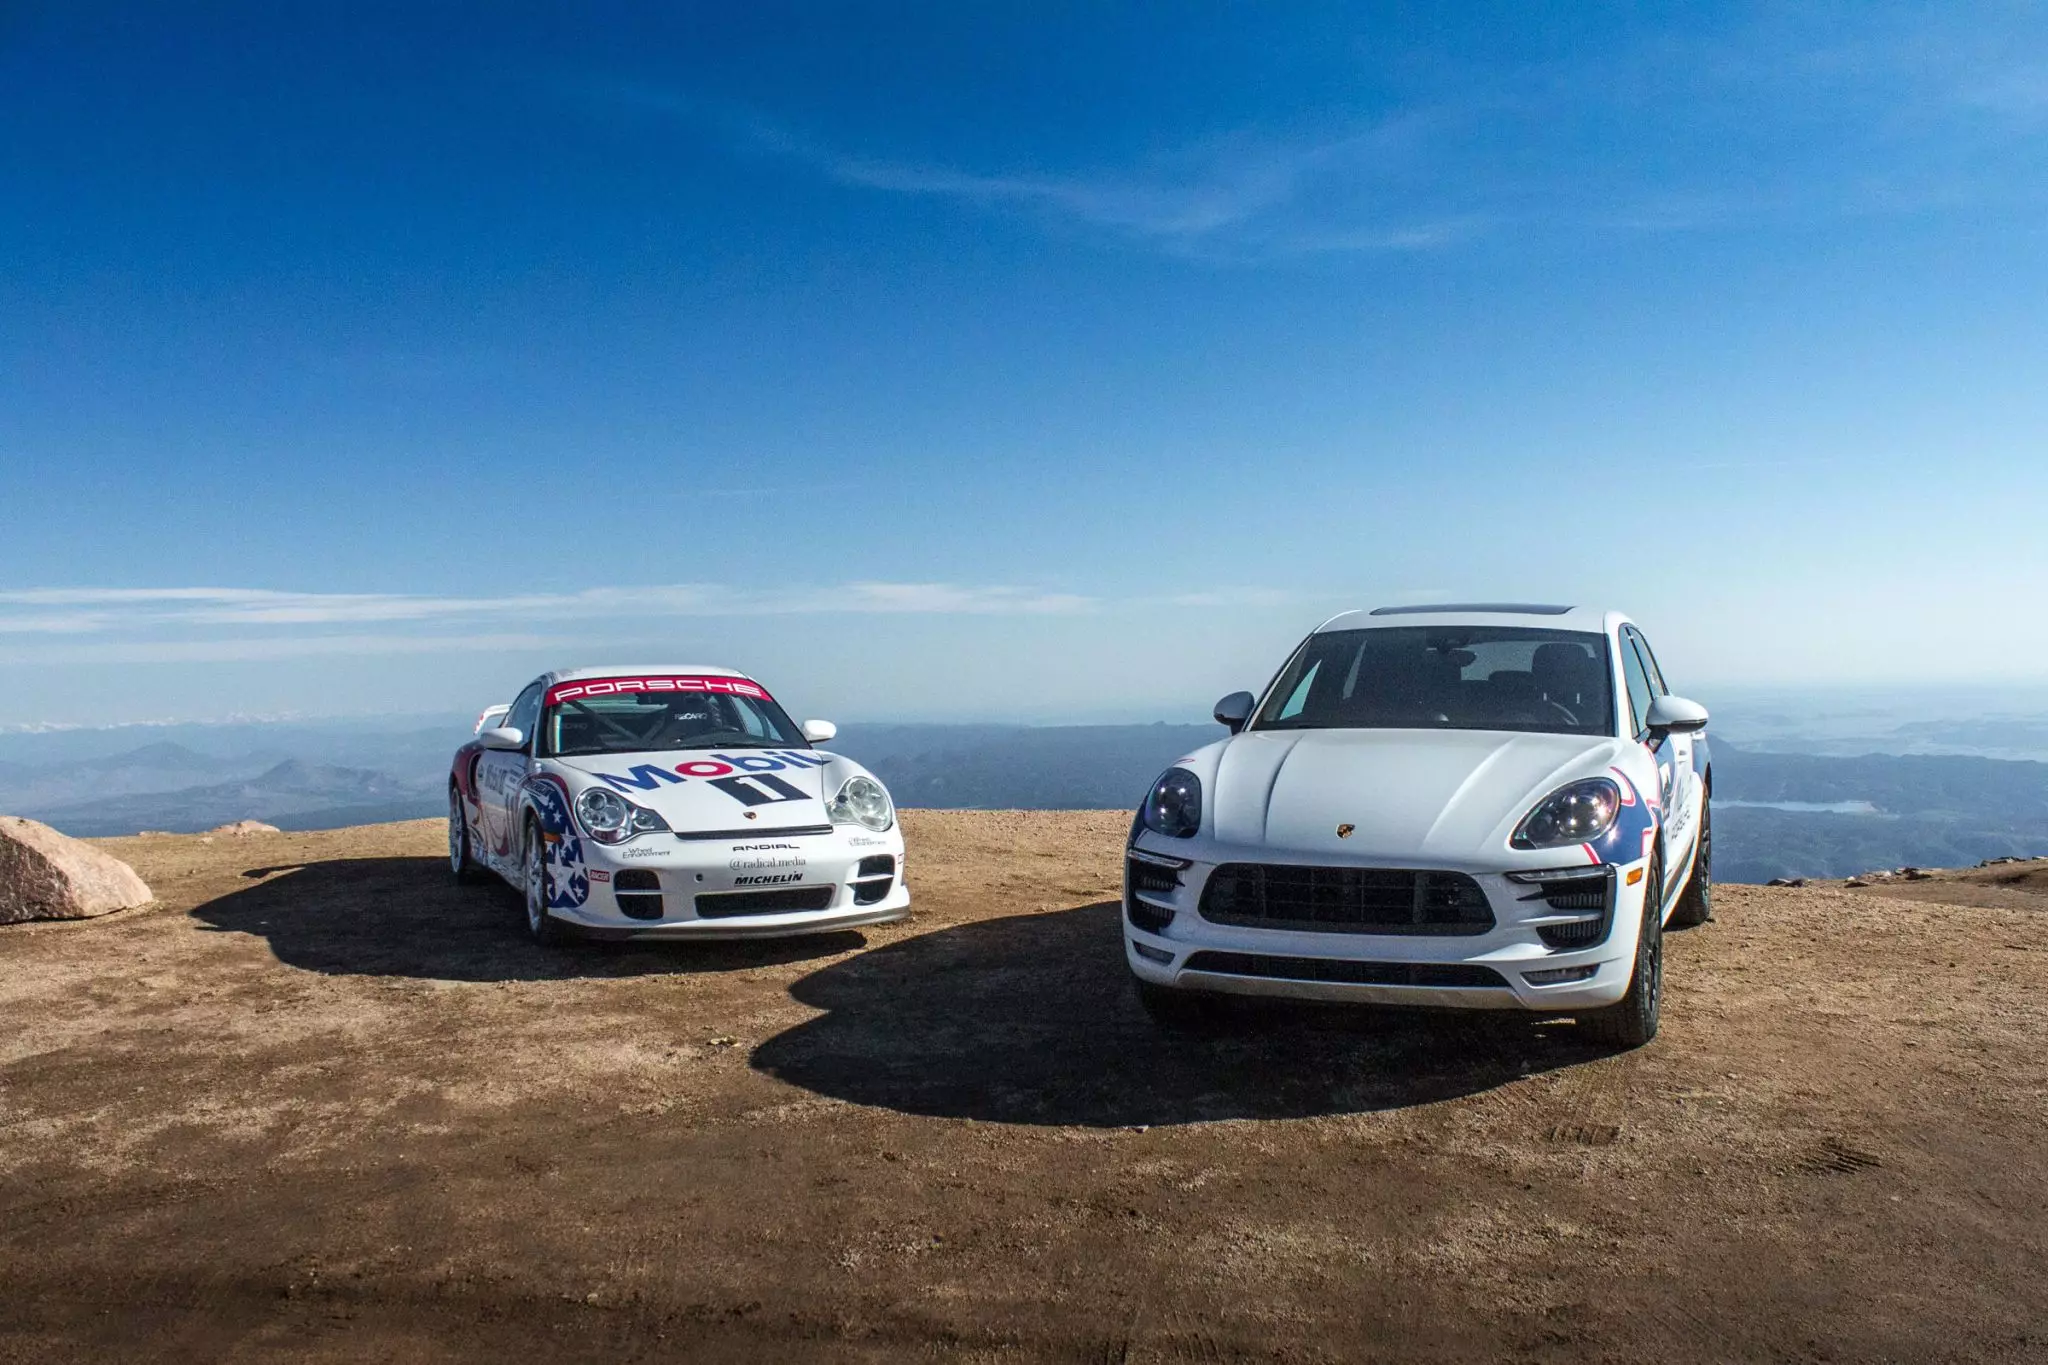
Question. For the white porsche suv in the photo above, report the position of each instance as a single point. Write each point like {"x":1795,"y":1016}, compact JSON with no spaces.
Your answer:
{"x":1489,"y":806}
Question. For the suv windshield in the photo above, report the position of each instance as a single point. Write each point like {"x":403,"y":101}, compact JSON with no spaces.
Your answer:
{"x":621,"y":721}
{"x":1445,"y":678}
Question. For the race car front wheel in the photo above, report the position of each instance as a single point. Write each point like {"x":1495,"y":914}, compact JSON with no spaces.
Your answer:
{"x":1632,"y":1021}
{"x":545,"y":928}
{"x":461,"y":860}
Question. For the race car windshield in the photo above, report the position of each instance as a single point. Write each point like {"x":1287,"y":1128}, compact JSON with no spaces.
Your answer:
{"x":1446,"y":678}
{"x":639,"y":722}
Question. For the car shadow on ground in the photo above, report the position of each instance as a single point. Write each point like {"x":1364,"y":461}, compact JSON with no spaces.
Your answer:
{"x":1032,"y":1019}
{"x":407,"y":917}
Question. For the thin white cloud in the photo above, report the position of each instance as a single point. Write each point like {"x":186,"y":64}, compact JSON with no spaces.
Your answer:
{"x":1241,"y":195}
{"x":219,"y":625}
{"x":69,"y":623}
{"x":137,"y":610}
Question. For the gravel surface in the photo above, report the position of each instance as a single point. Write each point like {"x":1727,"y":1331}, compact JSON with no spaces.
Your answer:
{"x":321,"y":1104}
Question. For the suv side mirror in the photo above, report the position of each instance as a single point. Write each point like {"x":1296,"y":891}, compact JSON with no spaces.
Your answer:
{"x":1234,"y":710}
{"x":819,"y":731}
{"x":505,"y":737}
{"x":1675,"y":713}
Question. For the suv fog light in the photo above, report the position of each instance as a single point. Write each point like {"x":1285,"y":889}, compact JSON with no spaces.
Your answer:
{"x":1151,"y":954}
{"x":1558,"y":975}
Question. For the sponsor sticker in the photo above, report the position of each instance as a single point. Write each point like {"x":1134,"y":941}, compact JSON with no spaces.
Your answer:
{"x":760,"y":861}
{"x":769,"y":879}
{"x":609,"y":687}
{"x":735,"y":768}
{"x":598,"y":874}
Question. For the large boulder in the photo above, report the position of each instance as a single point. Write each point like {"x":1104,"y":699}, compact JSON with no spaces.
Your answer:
{"x":47,"y":875}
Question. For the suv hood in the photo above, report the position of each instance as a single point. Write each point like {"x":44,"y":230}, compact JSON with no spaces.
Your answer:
{"x":1446,"y":798}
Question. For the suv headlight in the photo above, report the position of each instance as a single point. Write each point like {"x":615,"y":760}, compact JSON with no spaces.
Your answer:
{"x":1576,"y":813}
{"x":611,"y":819}
{"x":863,"y":802}
{"x":1174,"y":805}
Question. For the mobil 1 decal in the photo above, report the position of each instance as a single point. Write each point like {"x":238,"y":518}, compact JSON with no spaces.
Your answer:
{"x":761,"y":789}
{"x":748,"y":778}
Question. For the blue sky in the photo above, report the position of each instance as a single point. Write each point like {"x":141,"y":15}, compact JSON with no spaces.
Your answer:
{"x":1012,"y":360}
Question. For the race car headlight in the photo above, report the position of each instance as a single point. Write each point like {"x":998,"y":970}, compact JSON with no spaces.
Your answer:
{"x":1576,"y":813}
{"x":862,"y":802}
{"x":611,"y":819}
{"x":1174,"y":805}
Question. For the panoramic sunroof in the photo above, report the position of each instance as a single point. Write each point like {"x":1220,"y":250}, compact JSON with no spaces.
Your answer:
{"x":1498,"y":608}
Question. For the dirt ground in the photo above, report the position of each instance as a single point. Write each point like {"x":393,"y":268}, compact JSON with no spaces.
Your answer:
{"x":320,"y":1104}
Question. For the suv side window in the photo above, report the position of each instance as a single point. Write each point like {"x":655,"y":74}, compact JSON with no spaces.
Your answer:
{"x":1638,"y":685}
{"x":525,"y":714}
{"x":1642,"y":645}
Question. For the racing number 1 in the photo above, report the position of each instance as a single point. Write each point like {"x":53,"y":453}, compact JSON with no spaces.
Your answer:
{"x":758,"y":789}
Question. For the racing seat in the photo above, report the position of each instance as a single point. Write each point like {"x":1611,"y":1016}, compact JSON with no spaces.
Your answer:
{"x":575,"y":733}
{"x":689,"y":719}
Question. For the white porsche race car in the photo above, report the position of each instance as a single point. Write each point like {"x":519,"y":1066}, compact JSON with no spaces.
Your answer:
{"x":672,"y":803}
{"x":1492,"y":806}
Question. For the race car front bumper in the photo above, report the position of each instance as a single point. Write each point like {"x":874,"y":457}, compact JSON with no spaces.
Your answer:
{"x":773,"y":886}
{"x":1515,"y":962}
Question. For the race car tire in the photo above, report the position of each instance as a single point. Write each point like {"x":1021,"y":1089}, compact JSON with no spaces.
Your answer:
{"x":542,"y":927}
{"x":461,"y":855}
{"x":1696,"y":904}
{"x":1181,"y":1011}
{"x":1632,"y":1021}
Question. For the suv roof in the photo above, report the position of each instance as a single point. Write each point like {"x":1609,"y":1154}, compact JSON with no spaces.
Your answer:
{"x":1486,"y":608}
{"x":1525,"y":614}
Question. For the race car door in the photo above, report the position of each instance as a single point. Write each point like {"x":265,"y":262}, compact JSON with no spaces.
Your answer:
{"x":500,"y":773}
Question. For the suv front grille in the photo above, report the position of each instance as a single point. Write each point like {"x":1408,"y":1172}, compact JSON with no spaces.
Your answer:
{"x":1345,"y":900}
{"x":1347,"y":973}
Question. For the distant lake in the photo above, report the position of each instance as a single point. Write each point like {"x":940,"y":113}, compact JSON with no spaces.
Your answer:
{"x":1816,"y":807}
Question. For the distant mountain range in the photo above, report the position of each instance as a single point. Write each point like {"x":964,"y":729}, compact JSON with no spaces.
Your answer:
{"x":291,"y":795}
{"x":1776,"y":813}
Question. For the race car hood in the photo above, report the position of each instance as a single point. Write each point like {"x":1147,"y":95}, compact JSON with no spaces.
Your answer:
{"x":1437,"y":797}
{"x":750,"y":791}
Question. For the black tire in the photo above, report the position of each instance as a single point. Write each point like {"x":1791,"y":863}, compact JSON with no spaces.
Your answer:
{"x":1182,"y":1011}
{"x":1696,"y":905}
{"x":1632,"y":1021}
{"x":461,"y":853}
{"x":542,"y":927}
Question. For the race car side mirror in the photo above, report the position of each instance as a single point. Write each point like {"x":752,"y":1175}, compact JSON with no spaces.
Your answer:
{"x":819,"y":731}
{"x":504,"y":737}
{"x":1234,"y":710}
{"x":1675,"y":713}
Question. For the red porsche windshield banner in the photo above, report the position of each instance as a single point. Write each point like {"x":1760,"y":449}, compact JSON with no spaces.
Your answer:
{"x":610,"y":687}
